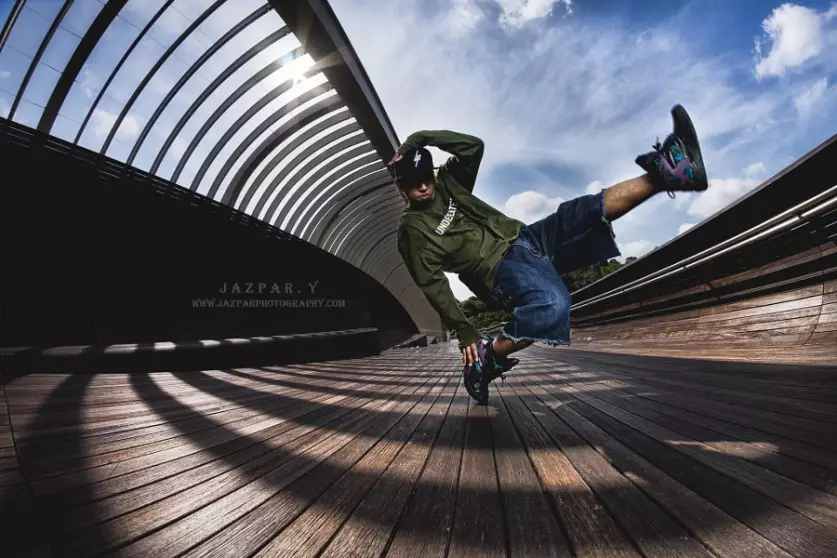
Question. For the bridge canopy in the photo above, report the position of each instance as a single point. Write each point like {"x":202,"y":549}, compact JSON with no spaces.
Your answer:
{"x":259,"y":105}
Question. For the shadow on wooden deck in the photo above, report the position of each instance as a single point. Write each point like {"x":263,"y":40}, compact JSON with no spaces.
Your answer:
{"x":576,"y":454}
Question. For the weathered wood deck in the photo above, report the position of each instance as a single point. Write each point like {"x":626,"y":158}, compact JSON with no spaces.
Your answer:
{"x":586,"y":454}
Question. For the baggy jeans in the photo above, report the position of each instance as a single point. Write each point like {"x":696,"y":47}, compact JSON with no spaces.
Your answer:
{"x":528,"y":282}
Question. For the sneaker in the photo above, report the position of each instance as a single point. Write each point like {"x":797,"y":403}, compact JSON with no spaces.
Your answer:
{"x":677,"y":164}
{"x":499,"y":365}
{"x":486,"y":369}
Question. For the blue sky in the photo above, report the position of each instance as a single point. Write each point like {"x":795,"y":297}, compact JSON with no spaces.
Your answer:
{"x":567,"y":94}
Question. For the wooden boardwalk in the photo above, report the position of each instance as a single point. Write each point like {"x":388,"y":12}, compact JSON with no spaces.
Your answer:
{"x":577,"y":454}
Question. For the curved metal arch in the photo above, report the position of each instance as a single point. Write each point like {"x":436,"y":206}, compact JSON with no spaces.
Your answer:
{"x":424,"y":313}
{"x":398,"y":280}
{"x":10,"y":22}
{"x":385,"y":216}
{"x":358,"y":146}
{"x":291,"y":167}
{"x":270,"y":143}
{"x":328,"y":108}
{"x":215,"y":84}
{"x":337,"y":247}
{"x":390,"y":273}
{"x":115,"y":71}
{"x":372,"y":248}
{"x":330,"y":187}
{"x":242,"y":90}
{"x":225,"y":38}
{"x":384,"y":226}
{"x":401,"y":293}
{"x":376,"y":261}
{"x":343,"y":160}
{"x":345,"y":227}
{"x":80,"y":55}
{"x":346,"y":220}
{"x":320,"y":216}
{"x":297,"y":167}
{"x":40,"y":52}
{"x":360,"y":177}
{"x":331,"y":195}
{"x":358,"y":237}
{"x":345,"y":163}
{"x":162,"y":60}
{"x":332,"y":211}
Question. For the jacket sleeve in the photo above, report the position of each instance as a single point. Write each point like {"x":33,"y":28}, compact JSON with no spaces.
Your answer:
{"x":467,"y":152}
{"x":426,"y":270}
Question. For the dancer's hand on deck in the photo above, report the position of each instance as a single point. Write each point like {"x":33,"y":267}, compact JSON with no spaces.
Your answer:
{"x":469,"y":354}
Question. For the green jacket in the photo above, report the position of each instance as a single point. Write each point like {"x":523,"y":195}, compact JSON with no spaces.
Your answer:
{"x":457,"y":233}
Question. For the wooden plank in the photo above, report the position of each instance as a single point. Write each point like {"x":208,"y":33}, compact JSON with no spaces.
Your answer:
{"x":762,"y":386}
{"x":11,"y":477}
{"x":279,"y":527}
{"x":126,"y":493}
{"x":825,"y":338}
{"x":720,"y":532}
{"x":150,"y":466}
{"x":590,"y":528}
{"x":386,"y":501}
{"x":767,"y":443}
{"x":533,"y":527}
{"x":790,"y":296}
{"x":178,"y":522}
{"x":139,"y":452}
{"x":478,"y":526}
{"x":764,"y":456}
{"x":266,"y":527}
{"x":6,"y":438}
{"x":800,"y":429}
{"x":813,"y":410}
{"x":99,"y":443}
{"x":812,"y":503}
{"x":191,"y":395}
{"x":829,"y":318}
{"x":430,"y":510}
{"x":788,"y":529}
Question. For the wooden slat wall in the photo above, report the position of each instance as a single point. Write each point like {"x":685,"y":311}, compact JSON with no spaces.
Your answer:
{"x":790,"y":319}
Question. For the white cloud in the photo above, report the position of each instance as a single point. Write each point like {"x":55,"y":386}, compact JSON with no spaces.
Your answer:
{"x":4,"y":74}
{"x":530,"y":206}
{"x":806,"y":101}
{"x":596,"y":91}
{"x":795,"y":34}
{"x":557,"y":97}
{"x":517,"y":13}
{"x":721,"y":192}
{"x":464,"y":16}
{"x":755,"y":170}
{"x":636,"y":249}
{"x":594,"y":187}
{"x":104,"y":121}
{"x":685,"y":227}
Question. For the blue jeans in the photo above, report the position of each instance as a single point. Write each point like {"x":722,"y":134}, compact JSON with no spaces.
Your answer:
{"x":528,"y":282}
